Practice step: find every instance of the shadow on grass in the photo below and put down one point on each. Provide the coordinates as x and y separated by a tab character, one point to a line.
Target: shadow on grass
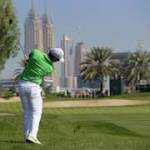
12	141
105	128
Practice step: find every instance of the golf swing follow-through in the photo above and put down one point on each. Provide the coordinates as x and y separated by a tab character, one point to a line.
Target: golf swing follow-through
39	64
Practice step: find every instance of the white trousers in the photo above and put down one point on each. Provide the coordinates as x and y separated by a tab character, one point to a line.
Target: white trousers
30	95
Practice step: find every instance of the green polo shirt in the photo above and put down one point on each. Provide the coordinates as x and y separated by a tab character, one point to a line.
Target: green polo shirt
37	67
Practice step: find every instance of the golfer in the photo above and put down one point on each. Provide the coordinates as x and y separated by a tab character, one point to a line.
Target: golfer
38	65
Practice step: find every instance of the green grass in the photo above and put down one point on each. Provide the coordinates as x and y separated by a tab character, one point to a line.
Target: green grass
103	128
133	96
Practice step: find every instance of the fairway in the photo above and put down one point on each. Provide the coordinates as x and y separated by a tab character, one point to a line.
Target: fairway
102	128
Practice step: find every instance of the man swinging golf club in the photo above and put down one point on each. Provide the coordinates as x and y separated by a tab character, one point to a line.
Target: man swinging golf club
39	64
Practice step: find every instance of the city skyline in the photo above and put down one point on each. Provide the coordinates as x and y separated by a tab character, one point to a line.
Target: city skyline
119	24
39	31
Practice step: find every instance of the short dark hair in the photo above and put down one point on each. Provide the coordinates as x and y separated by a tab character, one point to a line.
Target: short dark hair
52	57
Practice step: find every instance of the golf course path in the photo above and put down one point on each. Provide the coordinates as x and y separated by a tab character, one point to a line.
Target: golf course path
85	103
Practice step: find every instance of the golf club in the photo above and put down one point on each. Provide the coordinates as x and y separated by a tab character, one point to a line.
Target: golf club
23	51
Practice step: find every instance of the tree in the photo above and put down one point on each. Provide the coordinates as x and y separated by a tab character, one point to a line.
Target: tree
9	31
97	65
138	67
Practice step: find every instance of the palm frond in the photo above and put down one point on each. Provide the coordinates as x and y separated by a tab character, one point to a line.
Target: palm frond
96	64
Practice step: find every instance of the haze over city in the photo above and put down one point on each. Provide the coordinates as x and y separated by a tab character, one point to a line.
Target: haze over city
119	24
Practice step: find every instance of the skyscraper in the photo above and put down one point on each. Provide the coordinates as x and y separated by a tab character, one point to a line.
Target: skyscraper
39	32
80	50
68	65
33	31
48	33
65	46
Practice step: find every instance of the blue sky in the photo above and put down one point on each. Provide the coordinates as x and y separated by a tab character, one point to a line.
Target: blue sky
119	24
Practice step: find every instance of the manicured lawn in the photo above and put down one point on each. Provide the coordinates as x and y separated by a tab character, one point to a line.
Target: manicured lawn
103	128
133	96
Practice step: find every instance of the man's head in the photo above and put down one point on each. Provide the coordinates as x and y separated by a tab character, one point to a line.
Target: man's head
56	54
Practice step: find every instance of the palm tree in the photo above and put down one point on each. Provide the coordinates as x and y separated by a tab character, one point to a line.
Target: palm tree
138	67
96	65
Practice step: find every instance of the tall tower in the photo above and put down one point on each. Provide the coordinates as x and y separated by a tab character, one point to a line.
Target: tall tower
33	31
67	66
65	47
48	32
80	51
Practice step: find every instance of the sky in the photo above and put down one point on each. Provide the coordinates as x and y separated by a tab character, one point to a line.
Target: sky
119	24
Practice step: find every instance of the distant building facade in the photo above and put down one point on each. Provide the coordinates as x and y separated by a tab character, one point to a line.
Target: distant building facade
80	50
118	86
67	68
33	32
39	32
48	33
